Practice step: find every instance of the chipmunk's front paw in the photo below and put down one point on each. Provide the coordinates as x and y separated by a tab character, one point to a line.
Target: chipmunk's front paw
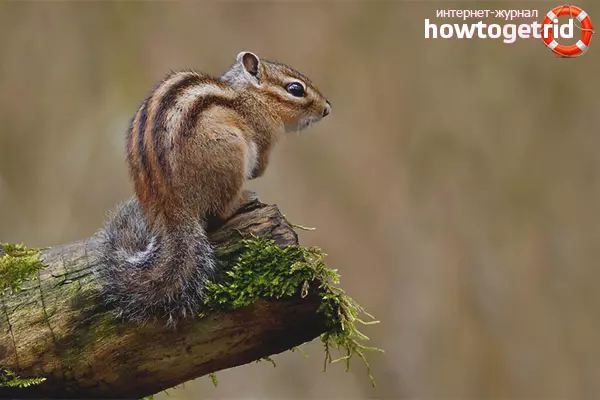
249	202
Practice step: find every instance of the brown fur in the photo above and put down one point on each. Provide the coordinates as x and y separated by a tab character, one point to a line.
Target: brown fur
191	146
208	153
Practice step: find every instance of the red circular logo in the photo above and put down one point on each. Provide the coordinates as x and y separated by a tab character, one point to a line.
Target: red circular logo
586	27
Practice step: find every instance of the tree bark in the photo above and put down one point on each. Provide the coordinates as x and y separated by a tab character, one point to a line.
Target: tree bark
57	328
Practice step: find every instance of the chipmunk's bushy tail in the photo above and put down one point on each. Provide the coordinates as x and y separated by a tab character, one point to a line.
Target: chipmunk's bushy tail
144	274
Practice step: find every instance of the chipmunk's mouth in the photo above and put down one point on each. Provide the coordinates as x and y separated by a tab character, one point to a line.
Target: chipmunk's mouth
308	121
303	123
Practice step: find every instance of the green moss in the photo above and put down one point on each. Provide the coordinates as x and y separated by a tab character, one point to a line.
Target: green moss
266	270
263	270
213	379
17	264
10	379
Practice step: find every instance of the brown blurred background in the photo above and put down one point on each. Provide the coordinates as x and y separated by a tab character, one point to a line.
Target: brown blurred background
456	185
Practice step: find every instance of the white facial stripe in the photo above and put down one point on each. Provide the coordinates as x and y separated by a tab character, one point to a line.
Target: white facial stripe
251	160
279	91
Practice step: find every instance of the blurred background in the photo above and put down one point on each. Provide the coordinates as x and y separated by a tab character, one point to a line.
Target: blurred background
456	185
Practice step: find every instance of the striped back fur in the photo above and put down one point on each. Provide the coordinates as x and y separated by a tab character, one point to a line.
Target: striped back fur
168	113
191	145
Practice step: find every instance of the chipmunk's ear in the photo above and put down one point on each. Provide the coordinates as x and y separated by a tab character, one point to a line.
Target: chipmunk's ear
252	65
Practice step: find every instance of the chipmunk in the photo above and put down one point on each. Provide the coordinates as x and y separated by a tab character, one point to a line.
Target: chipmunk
191	146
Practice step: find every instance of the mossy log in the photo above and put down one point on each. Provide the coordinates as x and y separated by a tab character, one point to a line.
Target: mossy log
56	327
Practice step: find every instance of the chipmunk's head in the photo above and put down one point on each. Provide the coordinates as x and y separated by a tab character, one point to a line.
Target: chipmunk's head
293	97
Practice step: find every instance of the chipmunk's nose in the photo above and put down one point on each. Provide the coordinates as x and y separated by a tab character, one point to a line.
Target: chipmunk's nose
327	109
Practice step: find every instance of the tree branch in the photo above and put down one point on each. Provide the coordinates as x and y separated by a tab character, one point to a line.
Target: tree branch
56	327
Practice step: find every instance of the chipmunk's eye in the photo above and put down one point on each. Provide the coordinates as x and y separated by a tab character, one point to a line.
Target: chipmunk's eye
295	89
